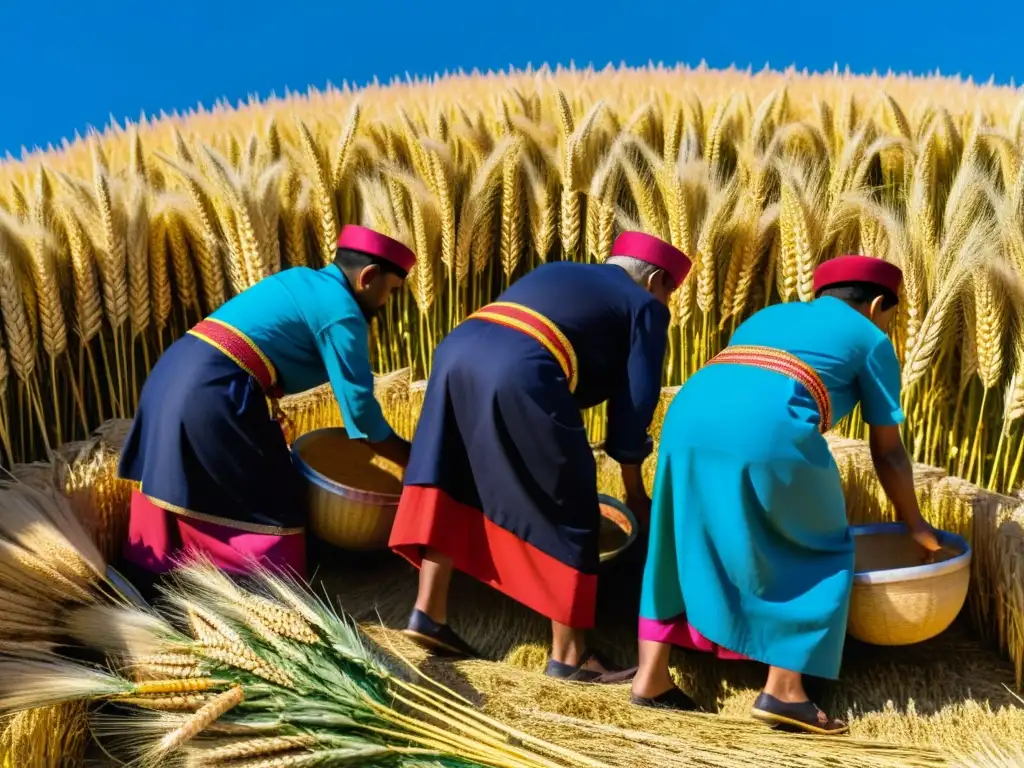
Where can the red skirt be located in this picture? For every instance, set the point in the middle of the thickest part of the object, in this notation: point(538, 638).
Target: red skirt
point(502, 478)
point(159, 539)
point(428, 518)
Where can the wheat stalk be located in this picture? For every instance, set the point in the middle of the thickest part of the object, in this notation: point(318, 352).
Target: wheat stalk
point(511, 244)
point(202, 719)
point(324, 201)
point(17, 330)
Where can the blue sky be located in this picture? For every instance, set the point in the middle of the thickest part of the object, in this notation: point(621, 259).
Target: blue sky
point(67, 65)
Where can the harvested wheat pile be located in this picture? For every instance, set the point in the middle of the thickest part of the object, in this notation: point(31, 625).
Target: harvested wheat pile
point(946, 695)
point(952, 693)
point(47, 737)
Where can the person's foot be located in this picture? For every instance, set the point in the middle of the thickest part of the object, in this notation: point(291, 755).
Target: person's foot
point(800, 717)
point(672, 699)
point(590, 668)
point(617, 678)
point(436, 637)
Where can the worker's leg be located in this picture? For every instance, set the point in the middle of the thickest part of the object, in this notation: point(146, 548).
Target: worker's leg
point(569, 646)
point(428, 624)
point(435, 582)
point(653, 677)
point(785, 685)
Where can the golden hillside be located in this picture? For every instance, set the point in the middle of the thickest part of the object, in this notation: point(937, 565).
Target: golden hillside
point(111, 247)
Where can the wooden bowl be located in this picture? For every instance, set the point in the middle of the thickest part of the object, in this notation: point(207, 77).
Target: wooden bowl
point(898, 600)
point(351, 493)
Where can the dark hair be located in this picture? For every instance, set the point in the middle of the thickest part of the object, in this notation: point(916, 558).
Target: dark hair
point(860, 293)
point(347, 258)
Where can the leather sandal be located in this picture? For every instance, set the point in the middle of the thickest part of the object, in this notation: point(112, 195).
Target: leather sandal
point(617, 678)
point(799, 717)
point(577, 674)
point(673, 699)
point(437, 638)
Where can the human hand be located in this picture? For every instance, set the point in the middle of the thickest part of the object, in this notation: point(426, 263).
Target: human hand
point(927, 538)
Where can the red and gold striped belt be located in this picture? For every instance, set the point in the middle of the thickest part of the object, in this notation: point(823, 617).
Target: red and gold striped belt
point(242, 350)
point(787, 364)
point(538, 327)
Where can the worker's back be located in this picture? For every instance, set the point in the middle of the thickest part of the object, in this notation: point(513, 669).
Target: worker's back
point(599, 308)
point(283, 314)
point(760, 412)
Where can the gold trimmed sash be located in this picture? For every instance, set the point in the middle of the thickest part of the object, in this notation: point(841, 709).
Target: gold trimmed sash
point(241, 349)
point(777, 360)
point(244, 352)
point(538, 327)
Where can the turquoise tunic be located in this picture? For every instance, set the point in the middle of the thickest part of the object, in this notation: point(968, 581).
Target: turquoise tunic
point(749, 537)
point(203, 441)
point(309, 324)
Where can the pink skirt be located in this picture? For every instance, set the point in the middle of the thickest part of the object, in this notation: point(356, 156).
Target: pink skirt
point(159, 539)
point(678, 632)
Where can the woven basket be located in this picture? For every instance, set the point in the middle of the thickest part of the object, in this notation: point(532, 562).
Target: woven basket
point(352, 495)
point(896, 600)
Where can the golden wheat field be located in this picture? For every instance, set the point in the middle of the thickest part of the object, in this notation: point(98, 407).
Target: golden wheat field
point(112, 246)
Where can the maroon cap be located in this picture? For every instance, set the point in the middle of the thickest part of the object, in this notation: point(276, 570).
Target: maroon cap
point(858, 269)
point(374, 243)
point(654, 251)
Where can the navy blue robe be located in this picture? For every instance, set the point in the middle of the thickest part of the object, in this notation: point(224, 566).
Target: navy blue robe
point(502, 478)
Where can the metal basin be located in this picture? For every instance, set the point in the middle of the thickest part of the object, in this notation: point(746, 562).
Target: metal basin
point(898, 600)
point(618, 530)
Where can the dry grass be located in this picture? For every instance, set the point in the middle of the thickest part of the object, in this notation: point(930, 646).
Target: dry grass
point(933, 701)
point(44, 738)
point(913, 697)
point(950, 694)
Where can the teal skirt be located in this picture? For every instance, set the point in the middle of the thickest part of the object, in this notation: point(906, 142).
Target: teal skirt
point(749, 541)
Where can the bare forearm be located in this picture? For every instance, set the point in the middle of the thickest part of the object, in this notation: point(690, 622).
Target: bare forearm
point(896, 474)
point(394, 449)
point(633, 480)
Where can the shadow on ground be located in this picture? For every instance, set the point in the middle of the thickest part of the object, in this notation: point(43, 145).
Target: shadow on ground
point(927, 678)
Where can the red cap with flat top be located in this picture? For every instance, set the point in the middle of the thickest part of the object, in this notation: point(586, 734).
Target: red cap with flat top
point(373, 243)
point(654, 251)
point(858, 269)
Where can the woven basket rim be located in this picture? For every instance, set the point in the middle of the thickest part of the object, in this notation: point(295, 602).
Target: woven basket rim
point(916, 572)
point(330, 485)
point(626, 512)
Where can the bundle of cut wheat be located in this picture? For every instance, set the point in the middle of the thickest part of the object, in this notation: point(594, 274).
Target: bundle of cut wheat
point(47, 563)
point(265, 673)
